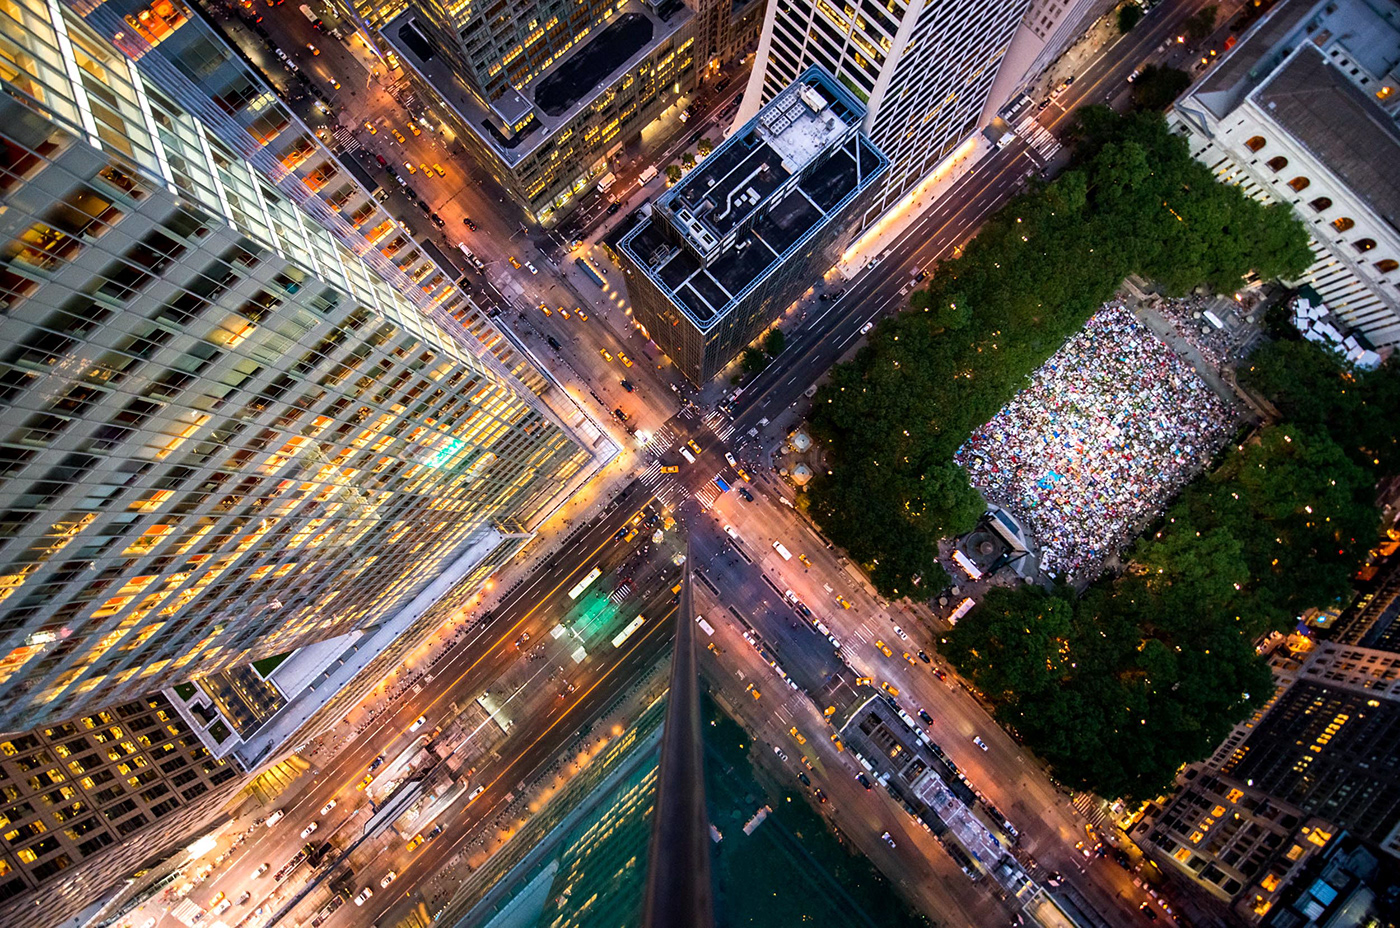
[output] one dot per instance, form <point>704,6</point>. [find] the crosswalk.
<point>347,141</point>
<point>721,426</point>
<point>1038,137</point>
<point>621,593</point>
<point>661,440</point>
<point>707,495</point>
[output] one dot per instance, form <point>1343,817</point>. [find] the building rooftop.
<point>532,114</point>
<point>1339,124</point>
<point>802,123</point>
<point>756,198</point>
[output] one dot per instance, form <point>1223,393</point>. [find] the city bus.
<point>585,583</point>
<point>626,633</point>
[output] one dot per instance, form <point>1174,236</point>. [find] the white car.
<point>388,878</point>
<point>730,458</point>
<point>900,632</point>
<point>779,751</point>
<point>979,742</point>
<point>887,839</point>
<point>327,807</point>
<point>867,327</point>
<point>364,896</point>
<point>476,792</point>
<point>274,818</point>
<point>418,723</point>
<point>262,869</point>
<point>306,832</point>
<point>729,530</point>
<point>531,268</point>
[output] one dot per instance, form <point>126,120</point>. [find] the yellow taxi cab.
<point>864,681</point>
<point>626,361</point>
<point>414,129</point>
<point>743,474</point>
<point>437,167</point>
<point>398,135</point>
<point>693,446</point>
<point>410,167</point>
<point>803,559</point>
<point>910,658</point>
<point>414,843</point>
<point>607,355</point>
<point>578,311</point>
<point>843,602</point>
<point>797,735</point>
<point>563,312</point>
<point>836,740</point>
<point>426,172</point>
<point>670,469</point>
<point>369,126</point>
<point>546,310</point>
<point>369,778</point>
<point>881,646</point>
<point>892,690</point>
<point>514,263</point>
<point>631,533</point>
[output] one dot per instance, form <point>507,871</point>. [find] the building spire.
<point>679,892</point>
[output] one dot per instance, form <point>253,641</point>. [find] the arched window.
<point>1255,143</point>
<point>1321,203</point>
<point>1299,183</point>
<point>1342,223</point>
<point>1365,244</point>
<point>1278,163</point>
<point>1387,265</point>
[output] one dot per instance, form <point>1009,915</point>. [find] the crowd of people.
<point>1219,346</point>
<point>1110,428</point>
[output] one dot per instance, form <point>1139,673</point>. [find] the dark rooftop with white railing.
<point>756,198</point>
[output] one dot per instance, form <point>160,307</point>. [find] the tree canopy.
<point>891,418</point>
<point>1149,670</point>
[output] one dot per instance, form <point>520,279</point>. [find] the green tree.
<point>673,172</point>
<point>1157,87</point>
<point>704,147</point>
<point>688,160</point>
<point>1129,15</point>
<point>1200,25</point>
<point>774,343</point>
<point>752,361</point>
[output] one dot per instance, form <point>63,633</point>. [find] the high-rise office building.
<point>242,410</point>
<point>730,246</point>
<point>84,803</point>
<point>544,92</point>
<point>1317,759</point>
<point>923,69</point>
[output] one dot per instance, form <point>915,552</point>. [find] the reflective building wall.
<point>237,411</point>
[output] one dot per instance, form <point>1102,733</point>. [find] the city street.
<point>743,576</point>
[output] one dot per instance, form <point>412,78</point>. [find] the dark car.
<point>437,220</point>
<point>821,796</point>
<point>806,780</point>
<point>864,780</point>
<point>802,608</point>
<point>621,416</point>
<point>744,492</point>
<point>382,162</point>
<point>469,223</point>
<point>374,764</point>
<point>924,657</point>
<point>627,385</point>
<point>613,207</point>
<point>927,719</point>
<point>553,342</point>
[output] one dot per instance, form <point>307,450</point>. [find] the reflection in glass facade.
<point>240,410</point>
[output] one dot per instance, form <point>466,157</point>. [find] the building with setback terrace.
<point>730,246</point>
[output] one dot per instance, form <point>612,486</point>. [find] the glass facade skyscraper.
<point>240,409</point>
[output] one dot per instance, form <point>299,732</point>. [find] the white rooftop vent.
<point>813,98</point>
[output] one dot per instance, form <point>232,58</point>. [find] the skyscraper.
<point>923,68</point>
<point>544,92</point>
<point>726,250</point>
<point>242,410</point>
